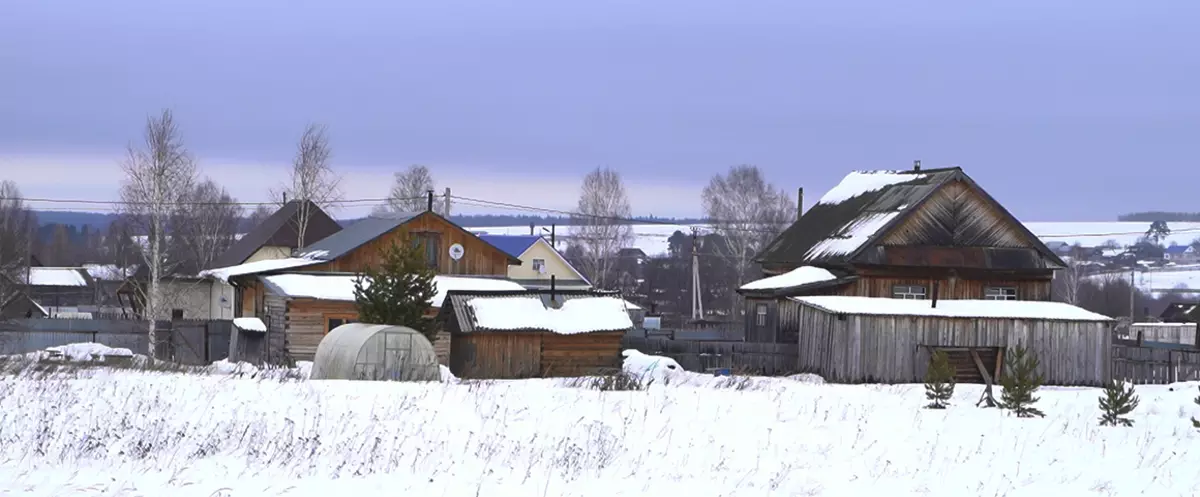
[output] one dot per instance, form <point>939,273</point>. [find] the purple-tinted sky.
<point>1062,110</point>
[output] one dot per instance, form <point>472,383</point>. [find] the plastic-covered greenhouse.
<point>360,351</point>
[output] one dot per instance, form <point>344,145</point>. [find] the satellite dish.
<point>456,251</point>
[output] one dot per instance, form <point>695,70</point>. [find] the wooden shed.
<point>534,333</point>
<point>883,340</point>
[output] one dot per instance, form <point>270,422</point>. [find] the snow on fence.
<point>193,342</point>
<point>770,359</point>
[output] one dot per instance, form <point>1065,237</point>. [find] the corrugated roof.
<point>513,245</point>
<point>355,235</point>
<point>278,230</point>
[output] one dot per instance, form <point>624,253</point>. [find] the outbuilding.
<point>379,352</point>
<point>532,334</point>
<point>883,340</point>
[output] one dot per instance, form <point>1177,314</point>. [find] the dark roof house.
<point>279,230</point>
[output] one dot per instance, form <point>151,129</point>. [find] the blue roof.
<point>513,245</point>
<point>1176,249</point>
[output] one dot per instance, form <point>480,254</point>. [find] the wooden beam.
<point>987,396</point>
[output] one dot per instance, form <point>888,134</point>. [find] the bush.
<point>1020,381</point>
<point>1118,401</point>
<point>939,381</point>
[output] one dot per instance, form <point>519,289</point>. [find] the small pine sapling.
<point>939,381</point>
<point>398,290</point>
<point>1020,381</point>
<point>1118,401</point>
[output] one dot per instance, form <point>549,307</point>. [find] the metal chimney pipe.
<point>799,202</point>
<point>916,165</point>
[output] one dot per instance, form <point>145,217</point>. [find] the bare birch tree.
<point>158,178</point>
<point>601,225</point>
<point>206,224</point>
<point>17,227</point>
<point>258,215</point>
<point>748,213</point>
<point>312,181</point>
<point>410,190</point>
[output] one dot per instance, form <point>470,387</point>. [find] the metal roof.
<point>278,230</point>
<point>355,235</point>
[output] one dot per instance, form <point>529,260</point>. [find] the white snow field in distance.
<point>166,434</point>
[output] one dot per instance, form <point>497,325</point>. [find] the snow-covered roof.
<point>341,286</point>
<point>56,276</point>
<point>250,324</point>
<point>256,267</point>
<point>862,182</point>
<point>804,275</point>
<point>997,309</point>
<point>109,272</point>
<point>577,315</point>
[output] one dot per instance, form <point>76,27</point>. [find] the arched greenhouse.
<point>379,352</point>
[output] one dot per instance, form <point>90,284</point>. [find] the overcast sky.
<point>1062,112</point>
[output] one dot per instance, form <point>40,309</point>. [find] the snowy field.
<point>1160,282</point>
<point>652,238</point>
<point>124,433</point>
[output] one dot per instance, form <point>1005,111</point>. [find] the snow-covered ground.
<point>152,434</point>
<point>652,238</point>
<point>1161,282</point>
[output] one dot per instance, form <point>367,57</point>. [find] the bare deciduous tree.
<point>206,224</point>
<point>747,212</point>
<point>17,226</point>
<point>601,226</point>
<point>410,190</point>
<point>158,178</point>
<point>312,180</point>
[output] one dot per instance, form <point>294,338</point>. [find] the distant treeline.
<point>100,221</point>
<point>1170,217</point>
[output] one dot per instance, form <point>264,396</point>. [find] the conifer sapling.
<point>1118,401</point>
<point>1020,381</point>
<point>939,381</point>
<point>398,291</point>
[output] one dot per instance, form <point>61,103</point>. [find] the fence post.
<point>1173,374</point>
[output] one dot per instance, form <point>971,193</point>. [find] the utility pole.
<point>446,203</point>
<point>429,200</point>
<point>1132,289</point>
<point>697,301</point>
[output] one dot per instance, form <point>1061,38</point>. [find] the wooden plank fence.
<point>771,359</point>
<point>193,342</point>
<point>1154,363</point>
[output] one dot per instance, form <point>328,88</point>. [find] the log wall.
<point>479,258</point>
<point>580,355</point>
<point>896,349</point>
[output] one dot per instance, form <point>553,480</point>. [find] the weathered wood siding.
<point>895,349</point>
<point>956,288</point>
<point>479,258</point>
<point>306,320</point>
<point>958,215</point>
<point>441,347</point>
<point>275,317</point>
<point>499,356</point>
<point>780,325</point>
<point>579,355</point>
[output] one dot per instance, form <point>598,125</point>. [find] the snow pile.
<point>193,436</point>
<point>447,375</point>
<point>223,366</point>
<point>577,315</point>
<point>861,182</point>
<point>953,308</point>
<point>804,275</point>
<point>224,273</point>
<point>250,324</point>
<point>88,351</point>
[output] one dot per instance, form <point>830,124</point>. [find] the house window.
<point>539,265</point>
<point>429,242</point>
<point>760,315</point>
<point>1000,293</point>
<point>909,292</point>
<point>332,322</point>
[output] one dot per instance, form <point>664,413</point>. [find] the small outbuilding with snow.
<point>883,340</point>
<point>534,333</point>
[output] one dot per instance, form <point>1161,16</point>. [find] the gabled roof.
<point>516,305</point>
<point>278,230</point>
<point>864,207</point>
<point>513,245</point>
<point>1177,249</point>
<point>360,232</point>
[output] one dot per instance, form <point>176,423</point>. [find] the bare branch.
<point>157,179</point>
<point>206,227</point>
<point>747,212</point>
<point>410,190</point>
<point>312,180</point>
<point>603,225</point>
<point>17,227</point>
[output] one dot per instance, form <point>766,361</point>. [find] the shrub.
<point>1020,381</point>
<point>939,381</point>
<point>1118,401</point>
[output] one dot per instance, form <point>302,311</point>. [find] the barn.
<point>533,333</point>
<point>851,339</point>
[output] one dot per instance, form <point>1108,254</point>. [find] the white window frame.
<point>760,314</point>
<point>539,264</point>
<point>910,292</point>
<point>999,293</point>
